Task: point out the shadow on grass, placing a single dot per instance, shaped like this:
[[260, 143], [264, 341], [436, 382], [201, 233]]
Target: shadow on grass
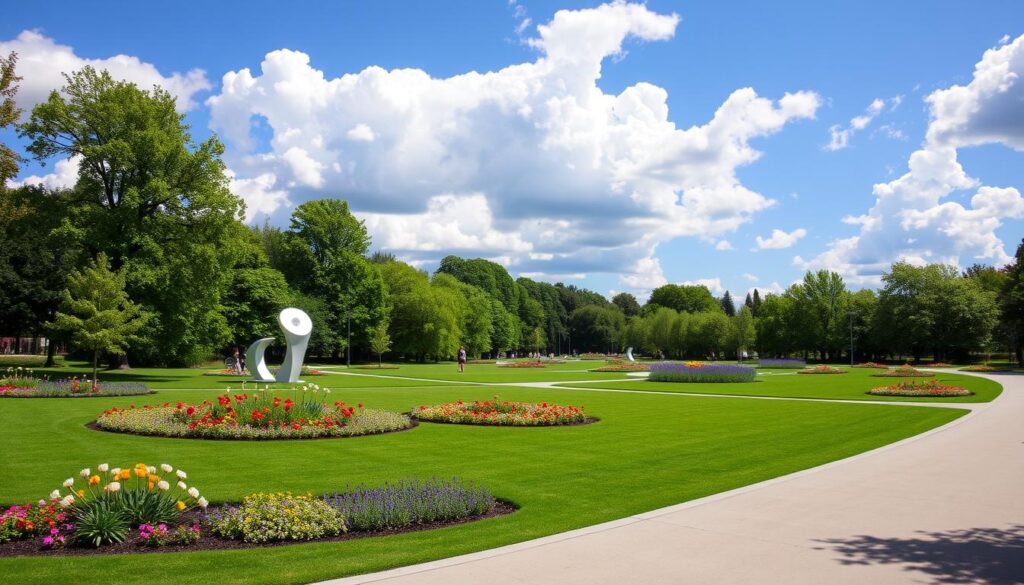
[[973, 555]]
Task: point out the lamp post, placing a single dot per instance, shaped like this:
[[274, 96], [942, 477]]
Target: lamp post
[[851, 314], [348, 346]]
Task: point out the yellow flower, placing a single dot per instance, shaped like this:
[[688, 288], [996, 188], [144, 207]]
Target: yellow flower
[[80, 493], [141, 472], [153, 477], [150, 483], [181, 505], [94, 480]]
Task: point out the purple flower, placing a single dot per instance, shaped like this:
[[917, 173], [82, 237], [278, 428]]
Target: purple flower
[[48, 541]]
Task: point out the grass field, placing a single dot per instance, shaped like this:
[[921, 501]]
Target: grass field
[[852, 385], [647, 451]]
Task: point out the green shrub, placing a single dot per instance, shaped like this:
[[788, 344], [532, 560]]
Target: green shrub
[[277, 517], [100, 523]]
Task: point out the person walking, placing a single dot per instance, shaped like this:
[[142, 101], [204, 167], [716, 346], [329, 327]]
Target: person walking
[[462, 359]]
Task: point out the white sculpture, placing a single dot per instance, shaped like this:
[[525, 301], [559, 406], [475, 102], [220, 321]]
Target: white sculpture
[[629, 354], [297, 327]]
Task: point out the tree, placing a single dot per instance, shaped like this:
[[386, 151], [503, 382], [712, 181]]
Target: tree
[[661, 329], [380, 341], [1013, 302], [743, 332], [755, 306], [773, 326], [256, 297], [8, 115], [627, 303], [596, 328], [684, 298], [152, 200], [97, 314], [727, 305], [748, 302], [822, 298]]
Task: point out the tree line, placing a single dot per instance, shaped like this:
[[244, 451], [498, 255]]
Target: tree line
[[150, 234]]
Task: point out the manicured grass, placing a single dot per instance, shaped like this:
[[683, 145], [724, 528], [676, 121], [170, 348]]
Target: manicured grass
[[647, 451], [852, 385], [570, 371]]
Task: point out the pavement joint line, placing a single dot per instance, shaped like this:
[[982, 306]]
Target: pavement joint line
[[653, 514]]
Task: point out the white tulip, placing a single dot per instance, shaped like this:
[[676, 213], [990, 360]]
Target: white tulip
[[115, 471], [113, 486], [182, 474], [55, 494], [166, 468], [67, 501], [182, 486], [103, 467], [203, 503], [85, 472], [151, 469], [193, 492], [163, 485], [69, 482]]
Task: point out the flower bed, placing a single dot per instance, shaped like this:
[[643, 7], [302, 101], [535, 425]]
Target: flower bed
[[904, 371], [410, 502], [822, 369], [782, 364], [523, 364], [985, 368], [264, 414], [502, 413], [623, 367], [146, 508], [701, 372], [913, 388], [939, 365], [104, 507], [875, 365], [69, 388], [597, 356]]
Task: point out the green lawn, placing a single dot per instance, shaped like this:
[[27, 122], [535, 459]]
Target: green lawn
[[852, 385], [647, 451], [490, 373]]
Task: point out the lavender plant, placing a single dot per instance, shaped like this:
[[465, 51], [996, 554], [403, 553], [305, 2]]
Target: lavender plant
[[701, 372], [410, 502]]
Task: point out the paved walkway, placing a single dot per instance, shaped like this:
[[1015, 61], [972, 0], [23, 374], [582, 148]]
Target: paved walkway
[[946, 506]]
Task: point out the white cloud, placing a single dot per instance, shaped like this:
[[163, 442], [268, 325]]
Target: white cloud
[[41, 61], [723, 245], [774, 289], [547, 151], [910, 220], [750, 277], [713, 284], [261, 199], [645, 276], [780, 240], [839, 137], [64, 176], [361, 133]]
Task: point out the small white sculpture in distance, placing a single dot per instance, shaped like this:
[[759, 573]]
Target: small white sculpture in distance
[[297, 327], [255, 362], [629, 355]]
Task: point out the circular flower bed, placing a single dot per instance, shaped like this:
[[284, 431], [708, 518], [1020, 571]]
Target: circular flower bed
[[69, 388], [690, 372], [623, 367], [985, 368], [822, 369], [875, 365], [502, 413], [524, 364], [264, 414], [939, 365], [912, 388], [905, 371]]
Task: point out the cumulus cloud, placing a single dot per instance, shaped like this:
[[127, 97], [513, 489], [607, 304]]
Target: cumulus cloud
[[723, 245], [551, 165], [713, 284], [258, 193], [64, 176], [839, 137], [779, 239], [41, 63], [910, 219], [772, 289]]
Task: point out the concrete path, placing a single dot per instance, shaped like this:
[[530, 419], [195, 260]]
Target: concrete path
[[945, 506]]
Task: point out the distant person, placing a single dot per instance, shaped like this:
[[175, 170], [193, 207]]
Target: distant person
[[238, 362], [5, 346], [462, 359]]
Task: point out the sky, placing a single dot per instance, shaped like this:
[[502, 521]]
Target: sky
[[617, 146]]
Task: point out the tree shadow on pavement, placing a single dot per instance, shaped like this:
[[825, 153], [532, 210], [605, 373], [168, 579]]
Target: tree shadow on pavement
[[973, 555]]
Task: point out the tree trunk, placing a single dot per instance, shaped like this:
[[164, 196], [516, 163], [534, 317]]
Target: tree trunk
[[51, 352]]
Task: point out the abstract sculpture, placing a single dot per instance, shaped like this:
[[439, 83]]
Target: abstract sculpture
[[629, 355], [297, 327]]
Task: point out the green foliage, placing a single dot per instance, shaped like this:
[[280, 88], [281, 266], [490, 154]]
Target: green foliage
[[380, 341], [98, 315], [728, 306], [8, 115], [278, 517], [743, 332], [252, 303], [100, 523], [596, 328], [626, 303], [684, 298]]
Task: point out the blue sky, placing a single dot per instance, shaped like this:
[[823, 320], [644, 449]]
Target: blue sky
[[843, 56]]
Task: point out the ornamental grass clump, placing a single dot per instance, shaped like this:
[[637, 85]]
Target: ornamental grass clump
[[904, 371], [501, 413], [822, 369], [410, 502], [263, 414], [697, 372], [914, 388], [276, 517], [782, 364], [102, 507]]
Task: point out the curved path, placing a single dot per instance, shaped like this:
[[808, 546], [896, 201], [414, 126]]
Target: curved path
[[946, 506]]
